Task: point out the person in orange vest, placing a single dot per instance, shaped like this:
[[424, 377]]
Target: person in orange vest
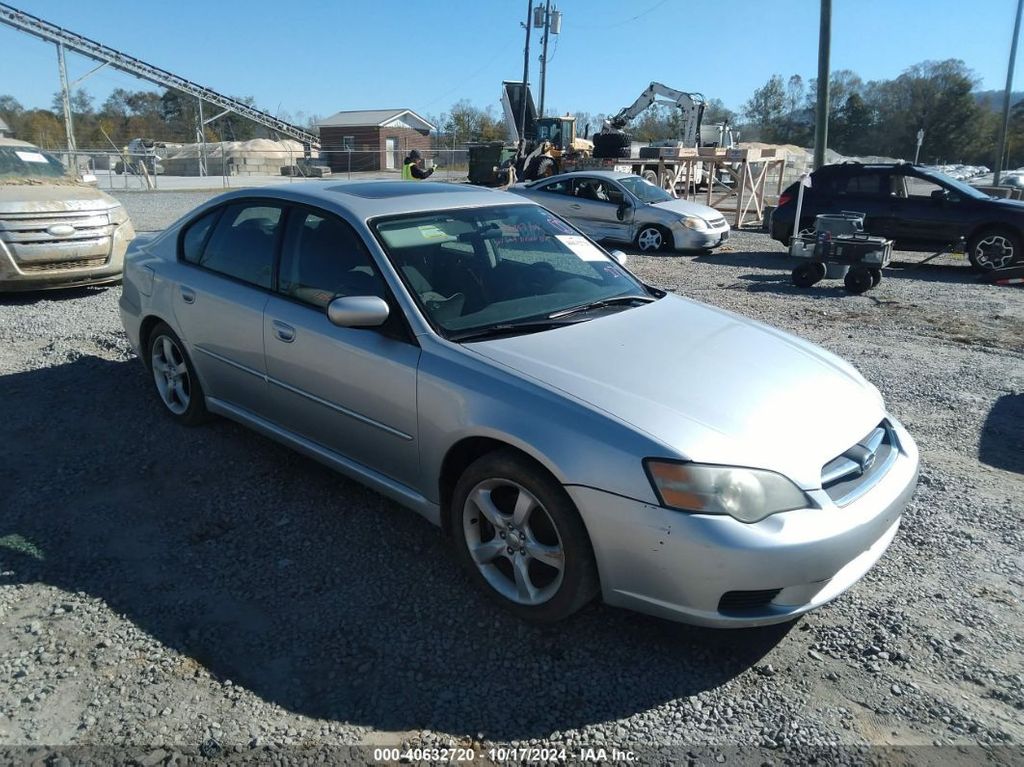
[[412, 168]]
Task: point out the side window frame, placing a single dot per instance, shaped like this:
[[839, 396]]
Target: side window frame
[[396, 327], [285, 208]]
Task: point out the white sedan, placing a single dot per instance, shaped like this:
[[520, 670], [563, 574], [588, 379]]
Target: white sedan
[[622, 207]]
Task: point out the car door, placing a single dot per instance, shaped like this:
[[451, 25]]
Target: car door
[[557, 197], [227, 269], [925, 214], [351, 390], [598, 201]]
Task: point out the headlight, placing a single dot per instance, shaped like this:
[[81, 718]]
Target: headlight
[[117, 215], [695, 222], [748, 495]]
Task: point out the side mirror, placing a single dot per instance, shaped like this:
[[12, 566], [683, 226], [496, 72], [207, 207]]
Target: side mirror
[[940, 195], [620, 257], [358, 311], [622, 210]]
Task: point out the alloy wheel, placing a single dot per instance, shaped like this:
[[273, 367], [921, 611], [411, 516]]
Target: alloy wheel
[[994, 252], [650, 239], [513, 541], [171, 374]]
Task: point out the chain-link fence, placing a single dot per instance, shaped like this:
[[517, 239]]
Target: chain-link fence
[[195, 166]]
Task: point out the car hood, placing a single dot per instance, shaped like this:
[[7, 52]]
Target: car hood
[[687, 208], [711, 386], [1010, 206], [52, 198]]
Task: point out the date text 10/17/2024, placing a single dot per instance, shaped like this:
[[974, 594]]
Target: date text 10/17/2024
[[503, 754]]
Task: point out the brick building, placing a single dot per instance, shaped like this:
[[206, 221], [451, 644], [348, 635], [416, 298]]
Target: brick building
[[372, 139]]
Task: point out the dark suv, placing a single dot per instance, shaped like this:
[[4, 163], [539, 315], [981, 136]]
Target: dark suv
[[919, 209]]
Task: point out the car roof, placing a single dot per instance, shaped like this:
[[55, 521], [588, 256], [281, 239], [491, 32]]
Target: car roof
[[609, 174], [370, 199]]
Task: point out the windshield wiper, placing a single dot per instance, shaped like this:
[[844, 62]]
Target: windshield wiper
[[599, 304], [508, 329]]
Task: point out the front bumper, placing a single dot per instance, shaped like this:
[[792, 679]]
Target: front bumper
[[690, 239], [679, 566]]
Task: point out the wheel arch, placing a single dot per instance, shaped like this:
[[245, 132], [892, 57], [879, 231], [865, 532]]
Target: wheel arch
[[467, 450], [978, 229], [149, 322]]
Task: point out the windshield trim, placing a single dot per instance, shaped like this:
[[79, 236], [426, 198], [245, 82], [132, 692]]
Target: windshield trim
[[373, 223]]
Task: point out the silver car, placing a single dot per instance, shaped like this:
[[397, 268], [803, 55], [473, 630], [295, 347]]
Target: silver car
[[576, 432], [622, 207]]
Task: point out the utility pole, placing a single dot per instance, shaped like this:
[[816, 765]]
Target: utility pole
[[1004, 127], [526, 79], [544, 55], [65, 92], [552, 24], [821, 113]]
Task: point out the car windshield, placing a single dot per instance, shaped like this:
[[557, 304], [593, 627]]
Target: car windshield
[[644, 190], [495, 266], [965, 190], [29, 162]]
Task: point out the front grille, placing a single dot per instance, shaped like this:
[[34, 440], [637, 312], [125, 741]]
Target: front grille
[[848, 476], [715, 223], [56, 266], [744, 601], [87, 236]]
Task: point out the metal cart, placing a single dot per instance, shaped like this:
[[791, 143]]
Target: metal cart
[[838, 248]]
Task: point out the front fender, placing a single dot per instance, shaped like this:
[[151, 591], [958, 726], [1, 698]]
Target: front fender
[[461, 395]]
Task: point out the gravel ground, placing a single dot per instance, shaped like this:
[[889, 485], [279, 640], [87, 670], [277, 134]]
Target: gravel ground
[[207, 591]]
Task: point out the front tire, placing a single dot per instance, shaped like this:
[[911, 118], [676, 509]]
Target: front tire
[[653, 238], [994, 248], [175, 379], [521, 539]]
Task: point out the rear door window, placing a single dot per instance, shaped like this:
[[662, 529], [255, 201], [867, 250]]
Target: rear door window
[[874, 185], [243, 243], [564, 186]]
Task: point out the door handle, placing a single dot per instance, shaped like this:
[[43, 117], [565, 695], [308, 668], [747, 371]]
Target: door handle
[[576, 206], [187, 294], [284, 332]]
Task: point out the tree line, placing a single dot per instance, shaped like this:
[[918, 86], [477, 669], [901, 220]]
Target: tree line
[[883, 117], [867, 118], [125, 115]]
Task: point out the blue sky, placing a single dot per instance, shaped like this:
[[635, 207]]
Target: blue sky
[[321, 56]]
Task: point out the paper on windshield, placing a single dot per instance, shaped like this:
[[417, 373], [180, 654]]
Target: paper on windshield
[[582, 247], [30, 156]]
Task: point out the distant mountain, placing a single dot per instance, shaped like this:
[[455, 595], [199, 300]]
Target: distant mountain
[[994, 99]]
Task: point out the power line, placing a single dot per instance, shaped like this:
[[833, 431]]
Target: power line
[[627, 21]]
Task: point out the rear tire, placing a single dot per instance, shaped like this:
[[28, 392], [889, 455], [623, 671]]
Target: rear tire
[[876, 277], [521, 539], [994, 248], [858, 280], [174, 377]]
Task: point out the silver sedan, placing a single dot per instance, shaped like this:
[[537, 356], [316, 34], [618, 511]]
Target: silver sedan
[[574, 431], [622, 207]]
